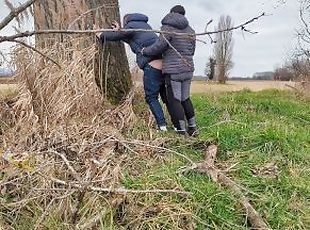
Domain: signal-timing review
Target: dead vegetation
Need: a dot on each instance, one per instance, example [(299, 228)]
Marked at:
[(304, 89), (64, 148), (65, 151)]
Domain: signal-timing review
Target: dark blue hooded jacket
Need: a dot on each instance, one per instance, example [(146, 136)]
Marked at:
[(136, 40)]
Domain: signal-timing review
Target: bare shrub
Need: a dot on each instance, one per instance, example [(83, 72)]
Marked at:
[(64, 134), (297, 69), (65, 155)]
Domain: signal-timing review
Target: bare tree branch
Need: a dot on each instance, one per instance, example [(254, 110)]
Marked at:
[(35, 50), (208, 167), (13, 38), (14, 13), (303, 33), (116, 190), (241, 26), (301, 16), (88, 32), (206, 29), (89, 11)]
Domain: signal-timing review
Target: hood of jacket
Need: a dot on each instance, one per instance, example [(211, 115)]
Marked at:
[(135, 17), (175, 20)]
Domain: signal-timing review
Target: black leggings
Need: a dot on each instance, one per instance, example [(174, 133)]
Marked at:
[(179, 102)]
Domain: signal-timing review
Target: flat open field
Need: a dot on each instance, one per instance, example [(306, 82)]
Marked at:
[(207, 87), (6, 89), (7, 80), (201, 87)]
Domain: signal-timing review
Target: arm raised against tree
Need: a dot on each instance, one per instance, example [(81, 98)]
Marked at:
[(116, 35)]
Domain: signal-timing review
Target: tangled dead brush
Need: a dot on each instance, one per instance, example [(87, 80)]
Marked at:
[(63, 155), (304, 88)]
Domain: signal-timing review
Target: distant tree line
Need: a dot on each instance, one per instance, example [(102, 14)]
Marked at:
[(297, 69), (298, 66)]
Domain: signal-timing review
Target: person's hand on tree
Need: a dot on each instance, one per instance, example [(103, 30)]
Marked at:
[(115, 25), (96, 27)]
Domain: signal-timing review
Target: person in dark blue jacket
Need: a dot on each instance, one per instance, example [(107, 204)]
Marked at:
[(153, 80)]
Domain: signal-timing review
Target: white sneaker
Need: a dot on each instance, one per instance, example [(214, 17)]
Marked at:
[(163, 128)]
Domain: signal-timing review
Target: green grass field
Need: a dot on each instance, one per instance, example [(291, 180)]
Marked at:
[(264, 138)]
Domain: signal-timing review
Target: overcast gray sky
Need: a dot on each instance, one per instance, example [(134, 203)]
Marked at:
[(252, 53)]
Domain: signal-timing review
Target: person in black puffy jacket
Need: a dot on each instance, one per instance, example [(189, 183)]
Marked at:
[(178, 67), (153, 79)]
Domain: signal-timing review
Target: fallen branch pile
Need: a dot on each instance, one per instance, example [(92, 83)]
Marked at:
[(208, 167)]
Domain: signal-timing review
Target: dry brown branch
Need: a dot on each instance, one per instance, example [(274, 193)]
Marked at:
[(117, 190), (36, 50), (63, 157), (45, 213), (208, 167), (88, 32), (78, 206), (15, 12), (292, 87), (93, 221), (90, 11), (159, 148)]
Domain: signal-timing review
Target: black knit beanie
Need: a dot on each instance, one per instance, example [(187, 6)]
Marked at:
[(178, 9)]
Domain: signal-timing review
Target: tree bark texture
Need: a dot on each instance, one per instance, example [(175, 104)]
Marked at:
[(111, 65)]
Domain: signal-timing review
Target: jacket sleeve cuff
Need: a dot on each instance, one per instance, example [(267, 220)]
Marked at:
[(102, 37)]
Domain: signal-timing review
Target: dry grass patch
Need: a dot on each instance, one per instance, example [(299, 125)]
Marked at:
[(7, 90), (233, 86)]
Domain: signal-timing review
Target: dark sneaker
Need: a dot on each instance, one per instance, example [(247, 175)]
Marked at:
[(193, 131), (181, 132)]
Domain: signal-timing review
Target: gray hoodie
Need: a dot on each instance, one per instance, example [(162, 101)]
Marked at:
[(177, 50)]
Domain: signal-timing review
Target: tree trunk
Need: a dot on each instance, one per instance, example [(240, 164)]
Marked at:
[(222, 74), (111, 65)]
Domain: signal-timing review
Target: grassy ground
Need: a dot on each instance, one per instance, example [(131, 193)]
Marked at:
[(264, 140)]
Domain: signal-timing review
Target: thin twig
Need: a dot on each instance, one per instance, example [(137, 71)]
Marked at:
[(90, 11), (35, 50), (206, 29), (117, 190), (63, 157), (15, 12), (93, 221), (208, 167), (88, 32), (160, 148)]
